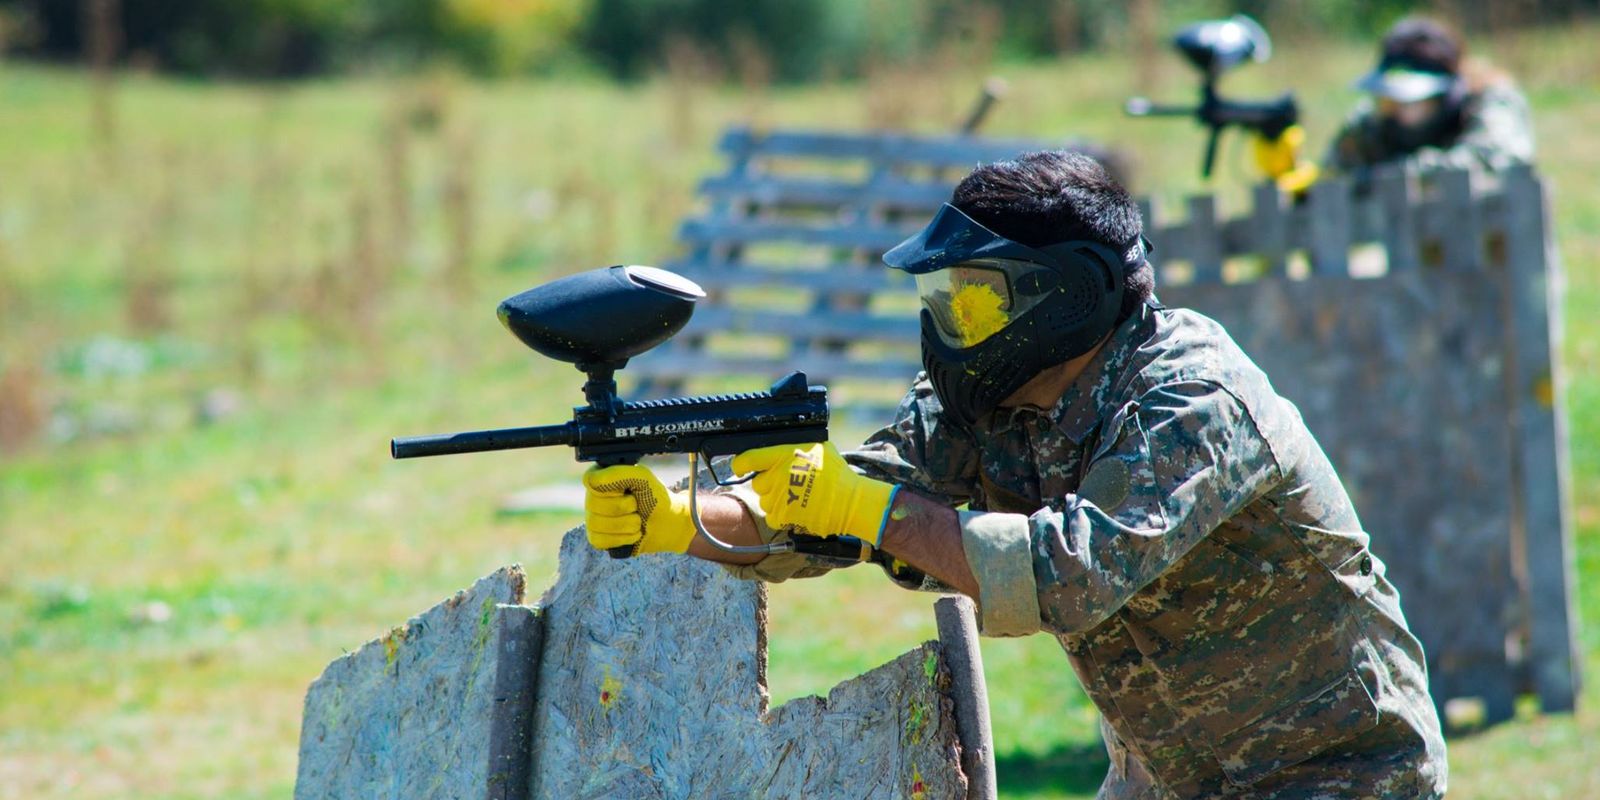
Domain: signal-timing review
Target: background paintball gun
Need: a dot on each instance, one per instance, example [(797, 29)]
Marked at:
[(1214, 47), (599, 319)]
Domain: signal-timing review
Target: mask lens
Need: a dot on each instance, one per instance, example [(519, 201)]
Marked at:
[(974, 300)]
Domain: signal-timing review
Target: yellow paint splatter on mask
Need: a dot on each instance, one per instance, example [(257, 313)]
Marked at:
[(976, 311)]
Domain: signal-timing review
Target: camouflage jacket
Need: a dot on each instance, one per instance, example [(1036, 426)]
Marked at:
[(1173, 523), (1496, 134)]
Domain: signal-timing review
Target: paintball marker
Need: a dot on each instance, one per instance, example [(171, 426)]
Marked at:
[(1214, 47), (599, 319)]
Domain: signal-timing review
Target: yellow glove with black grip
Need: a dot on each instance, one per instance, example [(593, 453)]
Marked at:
[(810, 487), (628, 506)]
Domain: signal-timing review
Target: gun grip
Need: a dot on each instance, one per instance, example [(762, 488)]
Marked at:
[(621, 552)]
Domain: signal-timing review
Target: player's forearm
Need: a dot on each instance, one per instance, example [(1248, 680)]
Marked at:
[(727, 520), (927, 536)]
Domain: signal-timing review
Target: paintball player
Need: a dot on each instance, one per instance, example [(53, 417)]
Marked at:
[(1429, 106), (1133, 486)]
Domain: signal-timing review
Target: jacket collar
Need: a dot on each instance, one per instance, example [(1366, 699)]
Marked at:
[(1081, 407)]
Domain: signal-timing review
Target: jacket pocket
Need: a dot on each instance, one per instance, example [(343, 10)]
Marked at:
[(1298, 731)]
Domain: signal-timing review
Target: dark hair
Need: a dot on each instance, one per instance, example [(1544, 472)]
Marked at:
[(1422, 43), (1053, 196)]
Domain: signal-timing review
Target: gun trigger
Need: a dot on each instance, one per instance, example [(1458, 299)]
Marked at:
[(791, 385)]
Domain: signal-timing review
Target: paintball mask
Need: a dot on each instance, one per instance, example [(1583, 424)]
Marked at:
[(1416, 86), (995, 313)]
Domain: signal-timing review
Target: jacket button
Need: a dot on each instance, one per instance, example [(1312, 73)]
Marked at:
[(1366, 565)]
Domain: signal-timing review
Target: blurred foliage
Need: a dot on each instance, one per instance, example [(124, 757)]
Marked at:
[(782, 39)]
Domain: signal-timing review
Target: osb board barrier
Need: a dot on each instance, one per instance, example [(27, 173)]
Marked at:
[(653, 686), (428, 709), (642, 678)]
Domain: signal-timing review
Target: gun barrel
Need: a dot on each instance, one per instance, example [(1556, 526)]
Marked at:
[(440, 444), (1142, 107)]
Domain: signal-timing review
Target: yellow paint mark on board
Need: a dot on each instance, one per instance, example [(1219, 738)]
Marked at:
[(391, 645), (919, 789), (1544, 391), (976, 311), (610, 690), (916, 720)]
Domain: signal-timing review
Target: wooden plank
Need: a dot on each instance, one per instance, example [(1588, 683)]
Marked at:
[(1328, 211), (819, 368), (1399, 234), (938, 151), (820, 323), (736, 232), (737, 146), (835, 277), (957, 621), (432, 709), (847, 305), (1462, 241), (1269, 226), (652, 685), (774, 190), (1540, 444), (520, 641), (1203, 247)]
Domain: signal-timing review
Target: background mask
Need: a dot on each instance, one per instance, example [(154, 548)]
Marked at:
[(996, 313)]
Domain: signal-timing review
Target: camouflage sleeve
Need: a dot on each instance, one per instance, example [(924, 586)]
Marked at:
[(918, 450), (1357, 144), (1497, 135), (1171, 467)]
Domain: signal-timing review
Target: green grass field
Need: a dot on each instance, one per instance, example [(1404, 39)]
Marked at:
[(169, 586)]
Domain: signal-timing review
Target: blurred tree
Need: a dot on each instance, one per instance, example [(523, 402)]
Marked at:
[(797, 39), (514, 35)]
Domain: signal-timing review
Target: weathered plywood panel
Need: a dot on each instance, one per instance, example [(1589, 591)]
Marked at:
[(1536, 396), (652, 686), (437, 708)]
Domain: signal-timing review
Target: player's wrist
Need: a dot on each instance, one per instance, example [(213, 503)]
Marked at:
[(868, 510)]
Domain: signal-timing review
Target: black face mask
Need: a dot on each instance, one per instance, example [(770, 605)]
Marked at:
[(970, 382), (1437, 131), (1072, 294)]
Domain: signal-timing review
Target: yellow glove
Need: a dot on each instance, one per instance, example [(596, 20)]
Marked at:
[(810, 487), (628, 506), (1280, 159)]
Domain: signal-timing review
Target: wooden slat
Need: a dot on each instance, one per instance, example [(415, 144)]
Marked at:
[(819, 368), (1270, 227), (821, 278), (1204, 247), (699, 232), (1328, 209), (828, 193), (938, 151), (957, 619), (1400, 233), (1463, 236), (1539, 445), (813, 324)]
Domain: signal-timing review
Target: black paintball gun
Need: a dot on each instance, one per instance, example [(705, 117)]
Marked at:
[(1214, 47), (599, 319)]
